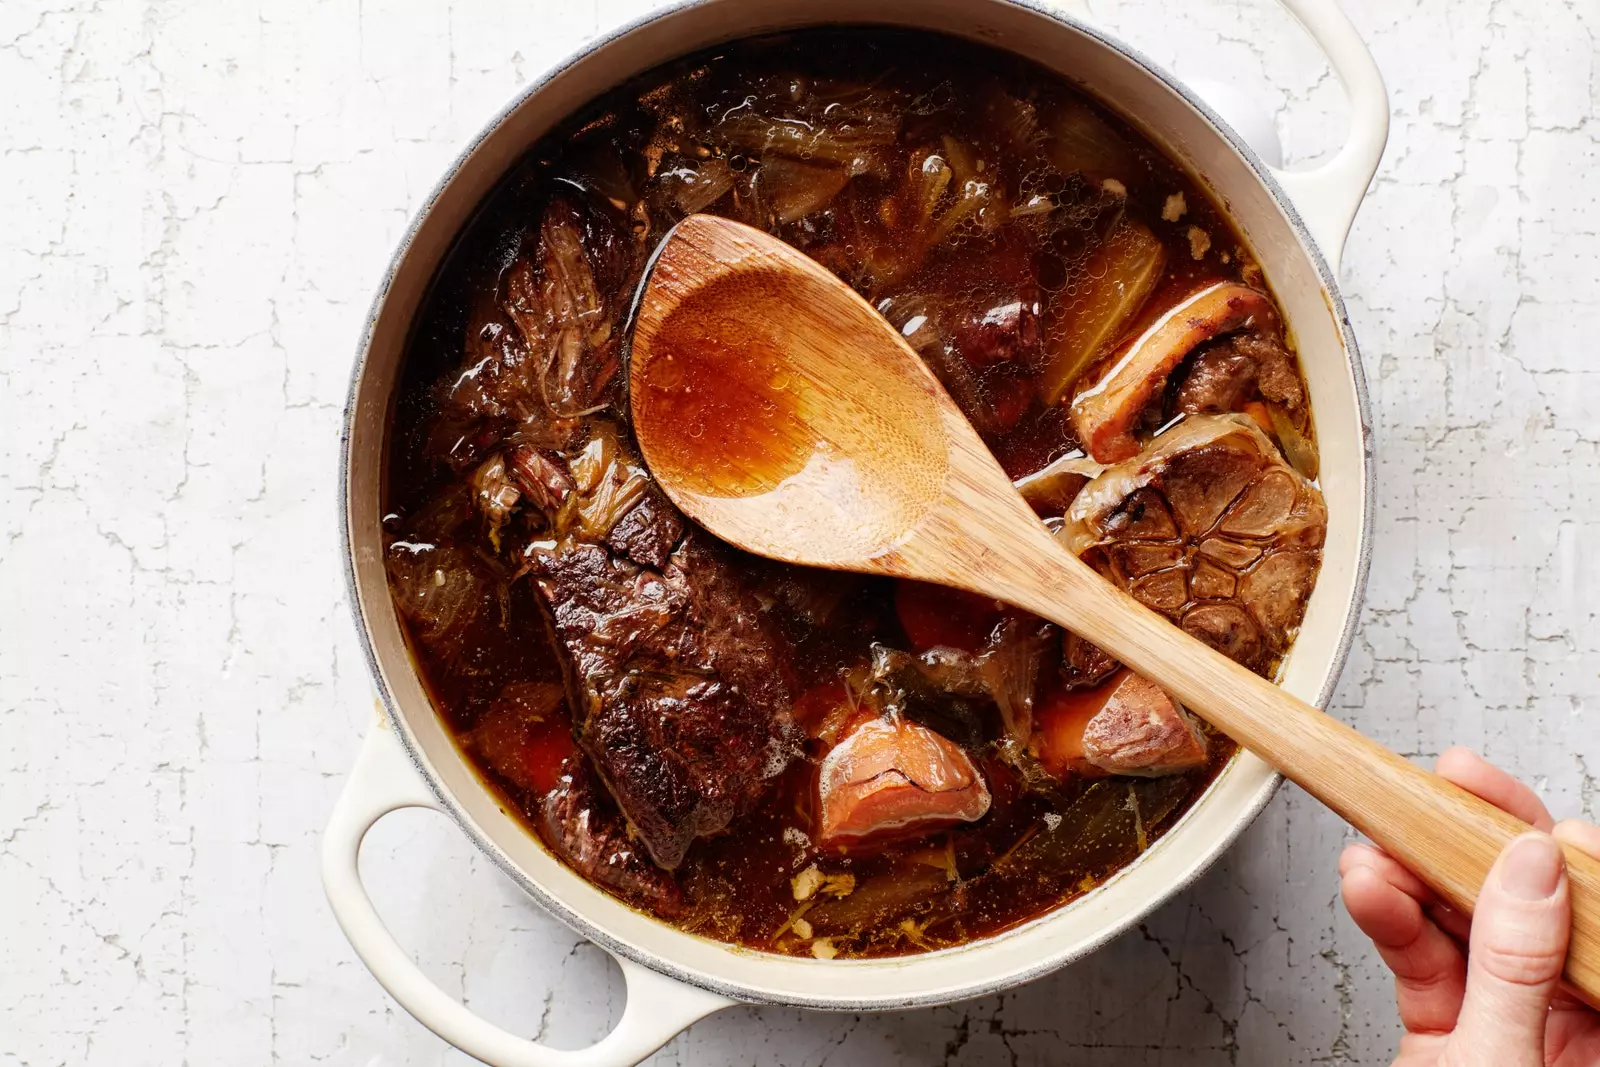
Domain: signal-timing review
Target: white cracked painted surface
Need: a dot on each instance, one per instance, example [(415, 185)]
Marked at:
[(197, 200)]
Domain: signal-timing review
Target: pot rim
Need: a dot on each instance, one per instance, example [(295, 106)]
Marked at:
[(575, 919)]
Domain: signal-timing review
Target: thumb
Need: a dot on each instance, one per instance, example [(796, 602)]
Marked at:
[(1517, 949)]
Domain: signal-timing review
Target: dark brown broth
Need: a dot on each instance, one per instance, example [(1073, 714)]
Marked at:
[(732, 431), (1035, 849)]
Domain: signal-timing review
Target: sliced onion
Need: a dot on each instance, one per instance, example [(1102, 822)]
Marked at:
[(607, 482), (977, 194), (439, 588), (1115, 283), (1052, 488), (697, 188), (792, 189), (1016, 120), (963, 160), (1006, 672), (1010, 671), (927, 178), (841, 143), (1298, 448), (606, 175), (1080, 140)]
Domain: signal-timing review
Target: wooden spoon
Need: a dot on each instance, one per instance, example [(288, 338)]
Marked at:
[(780, 411)]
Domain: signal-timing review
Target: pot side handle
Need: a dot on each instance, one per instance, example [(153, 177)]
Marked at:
[(384, 781), (1326, 196)]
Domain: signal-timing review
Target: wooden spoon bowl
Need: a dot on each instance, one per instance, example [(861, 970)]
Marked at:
[(775, 407), (743, 417)]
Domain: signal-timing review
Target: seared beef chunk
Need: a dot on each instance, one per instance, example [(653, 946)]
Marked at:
[(1229, 372), (993, 308), (680, 688), (1083, 663), (581, 825), (647, 532), (1220, 379), (977, 328), (680, 692)]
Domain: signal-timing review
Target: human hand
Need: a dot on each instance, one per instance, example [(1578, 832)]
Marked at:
[(1499, 1003)]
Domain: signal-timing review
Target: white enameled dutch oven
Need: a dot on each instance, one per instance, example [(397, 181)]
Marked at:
[(1296, 224)]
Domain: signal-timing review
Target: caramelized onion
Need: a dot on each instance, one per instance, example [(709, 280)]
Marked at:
[(1115, 283), (1298, 448), (791, 189), (1081, 141), (1052, 488), (698, 187), (1010, 667), (439, 588)]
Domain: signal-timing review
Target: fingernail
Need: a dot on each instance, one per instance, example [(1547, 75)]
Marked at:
[(1532, 868)]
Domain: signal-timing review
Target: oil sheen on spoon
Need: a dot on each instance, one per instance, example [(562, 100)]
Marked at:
[(725, 408), (727, 411)]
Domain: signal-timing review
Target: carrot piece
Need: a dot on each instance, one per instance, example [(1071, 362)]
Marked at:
[(889, 779), (1258, 411), (544, 750), (935, 615), (1059, 721)]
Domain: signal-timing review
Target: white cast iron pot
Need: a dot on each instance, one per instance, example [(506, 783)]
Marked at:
[(1296, 225)]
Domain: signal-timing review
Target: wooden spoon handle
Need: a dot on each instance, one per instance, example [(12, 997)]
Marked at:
[(1449, 837)]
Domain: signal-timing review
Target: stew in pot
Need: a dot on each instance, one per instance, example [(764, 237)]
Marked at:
[(810, 762)]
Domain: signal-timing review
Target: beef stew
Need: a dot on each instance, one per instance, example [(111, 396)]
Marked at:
[(808, 762)]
